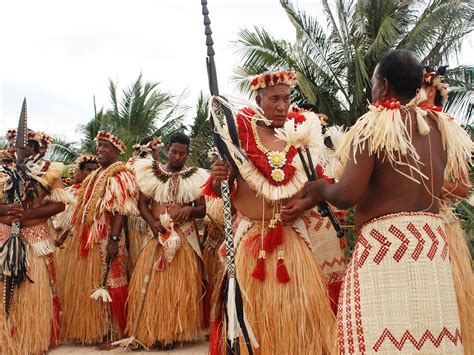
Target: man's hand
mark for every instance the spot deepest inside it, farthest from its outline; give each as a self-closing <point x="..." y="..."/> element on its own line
<point x="313" y="190"/>
<point x="220" y="171"/>
<point x="14" y="211"/>
<point x="181" y="214"/>
<point x="293" y="209"/>
<point x="157" y="228"/>
<point x="112" y="249"/>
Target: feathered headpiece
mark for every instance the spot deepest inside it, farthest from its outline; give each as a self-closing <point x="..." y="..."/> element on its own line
<point x="148" y="147"/>
<point x="113" y="139"/>
<point x="85" y="159"/>
<point x="273" y="78"/>
<point x="35" y="136"/>
<point x="435" y="79"/>
<point x="11" y="135"/>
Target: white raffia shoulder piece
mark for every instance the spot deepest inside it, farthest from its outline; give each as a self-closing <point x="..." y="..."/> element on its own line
<point x="63" y="220"/>
<point x="61" y="195"/>
<point x="47" y="177"/>
<point x="332" y="166"/>
<point x="458" y="145"/>
<point x="384" y="131"/>
<point x="121" y="194"/>
<point x="155" y="182"/>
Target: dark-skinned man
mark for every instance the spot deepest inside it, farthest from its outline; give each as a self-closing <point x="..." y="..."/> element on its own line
<point x="172" y="307"/>
<point x="32" y="324"/>
<point x="106" y="196"/>
<point x="398" y="294"/>
<point x="285" y="297"/>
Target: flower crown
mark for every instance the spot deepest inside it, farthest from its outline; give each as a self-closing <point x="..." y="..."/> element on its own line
<point x="146" y="148"/>
<point x="35" y="136"/>
<point x="85" y="158"/>
<point x="11" y="135"/>
<point x="273" y="78"/>
<point x="434" y="79"/>
<point x="113" y="139"/>
<point x="212" y="151"/>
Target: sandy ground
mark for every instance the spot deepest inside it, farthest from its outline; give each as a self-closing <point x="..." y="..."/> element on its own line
<point x="196" y="348"/>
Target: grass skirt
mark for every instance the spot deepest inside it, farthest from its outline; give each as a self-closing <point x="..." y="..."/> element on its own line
<point x="173" y="303"/>
<point x="28" y="328"/>
<point x="86" y="320"/>
<point x="137" y="229"/>
<point x="463" y="282"/>
<point x="398" y="293"/>
<point x="286" y="318"/>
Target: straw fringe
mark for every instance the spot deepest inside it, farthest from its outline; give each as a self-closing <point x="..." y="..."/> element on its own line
<point x="61" y="195"/>
<point x="28" y="328"/>
<point x="289" y="318"/>
<point x="188" y="189"/>
<point x="49" y="176"/>
<point x="463" y="282"/>
<point x="137" y="228"/>
<point x="174" y="294"/>
<point x="84" y="319"/>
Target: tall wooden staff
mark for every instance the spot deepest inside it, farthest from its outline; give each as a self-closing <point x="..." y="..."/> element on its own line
<point x="235" y="319"/>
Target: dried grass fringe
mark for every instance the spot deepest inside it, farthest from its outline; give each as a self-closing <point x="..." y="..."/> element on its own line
<point x="287" y="318"/>
<point x="28" y="328"/>
<point x="173" y="304"/>
<point x="85" y="320"/>
<point x="463" y="282"/>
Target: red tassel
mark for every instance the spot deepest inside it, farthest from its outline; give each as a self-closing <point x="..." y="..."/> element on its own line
<point x="55" y="324"/>
<point x="259" y="271"/>
<point x="207" y="188"/>
<point x="118" y="306"/>
<point x="160" y="265"/>
<point x="278" y="234"/>
<point x="215" y="337"/>
<point x="343" y="242"/>
<point x="269" y="240"/>
<point x="282" y="271"/>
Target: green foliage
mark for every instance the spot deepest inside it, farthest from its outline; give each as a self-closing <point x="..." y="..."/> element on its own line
<point x="62" y="151"/>
<point x="335" y="65"/>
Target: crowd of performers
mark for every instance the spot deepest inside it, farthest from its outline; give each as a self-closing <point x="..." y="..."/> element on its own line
<point x="134" y="253"/>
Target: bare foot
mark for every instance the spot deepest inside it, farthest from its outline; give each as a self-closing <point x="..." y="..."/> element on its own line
<point x="106" y="346"/>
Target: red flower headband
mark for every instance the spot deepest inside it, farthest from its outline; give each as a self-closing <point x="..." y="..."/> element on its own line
<point x="85" y="158"/>
<point x="114" y="140"/>
<point x="273" y="78"/>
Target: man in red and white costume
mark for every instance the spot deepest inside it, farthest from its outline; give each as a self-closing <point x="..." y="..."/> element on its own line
<point x="106" y="196"/>
<point x="286" y="301"/>
<point x="398" y="294"/>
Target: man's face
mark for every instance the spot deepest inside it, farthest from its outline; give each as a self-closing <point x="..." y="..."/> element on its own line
<point x="177" y="155"/>
<point x="275" y="102"/>
<point x="89" y="168"/>
<point x="106" y="153"/>
<point x="378" y="86"/>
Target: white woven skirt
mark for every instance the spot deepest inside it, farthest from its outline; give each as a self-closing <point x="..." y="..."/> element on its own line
<point x="398" y="293"/>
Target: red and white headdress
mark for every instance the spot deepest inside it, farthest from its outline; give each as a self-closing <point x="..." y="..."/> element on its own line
<point x="148" y="147"/>
<point x="113" y="139"/>
<point x="267" y="79"/>
<point x="436" y="80"/>
<point x="46" y="139"/>
<point x="11" y="135"/>
<point x="35" y="136"/>
<point x="85" y="159"/>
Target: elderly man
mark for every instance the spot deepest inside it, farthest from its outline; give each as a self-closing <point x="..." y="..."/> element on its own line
<point x="286" y="300"/>
<point x="398" y="294"/>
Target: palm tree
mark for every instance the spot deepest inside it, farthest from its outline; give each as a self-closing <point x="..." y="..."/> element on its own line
<point x="141" y="110"/>
<point x="62" y="151"/>
<point x="335" y="65"/>
<point x="201" y="134"/>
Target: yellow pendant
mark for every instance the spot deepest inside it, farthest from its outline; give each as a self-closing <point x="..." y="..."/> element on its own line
<point x="276" y="159"/>
<point x="278" y="175"/>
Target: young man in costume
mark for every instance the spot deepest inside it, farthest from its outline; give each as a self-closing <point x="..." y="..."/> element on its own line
<point x="29" y="314"/>
<point x="437" y="94"/>
<point x="398" y="293"/>
<point x="148" y="148"/>
<point x="285" y="297"/>
<point x="106" y="196"/>
<point x="169" y="264"/>
<point x="62" y="222"/>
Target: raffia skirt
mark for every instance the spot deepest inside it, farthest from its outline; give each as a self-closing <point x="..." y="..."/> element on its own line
<point x="286" y="318"/>
<point x="328" y="252"/>
<point x="172" y="309"/>
<point x="463" y="280"/>
<point x="137" y="228"/>
<point x="32" y="325"/>
<point x="89" y="321"/>
<point x="398" y="293"/>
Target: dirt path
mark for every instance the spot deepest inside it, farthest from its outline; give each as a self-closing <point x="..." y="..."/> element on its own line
<point x="196" y="348"/>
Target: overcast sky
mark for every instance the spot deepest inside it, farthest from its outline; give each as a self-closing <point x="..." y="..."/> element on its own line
<point x="59" y="54"/>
